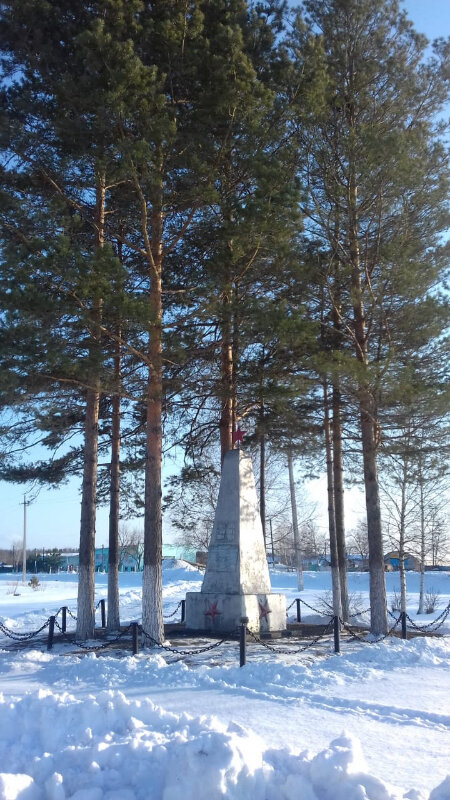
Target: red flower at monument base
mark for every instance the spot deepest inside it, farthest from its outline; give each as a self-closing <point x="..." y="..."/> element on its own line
<point x="212" y="610"/>
<point x="264" y="609"/>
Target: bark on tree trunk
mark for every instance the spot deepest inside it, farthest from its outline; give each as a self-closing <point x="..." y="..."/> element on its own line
<point x="338" y="485"/>
<point x="297" y="549"/>
<point x="86" y="569"/>
<point x="113" y="619"/>
<point x="226" y="360"/>
<point x="402" y="571"/>
<point x="401" y="546"/>
<point x="152" y="617"/>
<point x="262" y="485"/>
<point x="420" y="610"/>
<point x="335" y="577"/>
<point x="336" y="426"/>
<point x="378" y="609"/>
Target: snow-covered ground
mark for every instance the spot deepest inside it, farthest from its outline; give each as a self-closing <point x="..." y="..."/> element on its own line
<point x="372" y="723"/>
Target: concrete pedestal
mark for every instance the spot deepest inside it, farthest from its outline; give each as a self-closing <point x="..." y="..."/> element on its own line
<point x="236" y="582"/>
<point x="222" y="613"/>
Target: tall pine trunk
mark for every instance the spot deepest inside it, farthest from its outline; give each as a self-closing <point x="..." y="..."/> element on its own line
<point x="152" y="617"/>
<point x="338" y="488"/>
<point x="86" y="569"/>
<point x="375" y="539"/>
<point x="226" y="364"/>
<point x="420" y="610"/>
<point x="113" y="621"/>
<point x="297" y="548"/>
<point x="335" y="577"/>
<point x="367" y="413"/>
<point x="262" y="483"/>
<point x="402" y="532"/>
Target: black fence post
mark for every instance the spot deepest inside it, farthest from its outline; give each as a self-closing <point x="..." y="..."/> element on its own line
<point x="64" y="619"/>
<point x="337" y="642"/>
<point x="134" y="637"/>
<point x="299" y="610"/>
<point x="51" y="630"/>
<point x="103" y="613"/>
<point x="403" y="616"/>
<point x="242" y="641"/>
<point x="183" y="610"/>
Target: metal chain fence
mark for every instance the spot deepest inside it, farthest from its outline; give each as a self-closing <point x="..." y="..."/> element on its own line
<point x="434" y="625"/>
<point x="359" y="613"/>
<point x="176" y="650"/>
<point x="93" y="648"/>
<point x="23" y="637"/>
<point x="289" y="650"/>
<point x="169" y="616"/>
<point x="361" y="639"/>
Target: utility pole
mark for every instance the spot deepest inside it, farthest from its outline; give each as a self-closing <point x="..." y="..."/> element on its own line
<point x="24" y="547"/>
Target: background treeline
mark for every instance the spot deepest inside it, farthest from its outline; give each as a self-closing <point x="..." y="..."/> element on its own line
<point x="219" y="213"/>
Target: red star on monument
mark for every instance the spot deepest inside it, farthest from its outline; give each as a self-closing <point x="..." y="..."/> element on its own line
<point x="212" y="610"/>
<point x="238" y="436"/>
<point x="264" y="609"/>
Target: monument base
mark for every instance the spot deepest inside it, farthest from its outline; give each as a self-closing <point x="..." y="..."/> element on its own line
<point x="222" y="613"/>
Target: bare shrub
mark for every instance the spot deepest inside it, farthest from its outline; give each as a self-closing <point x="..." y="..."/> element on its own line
<point x="396" y="601"/>
<point x="324" y="603"/>
<point x="431" y="600"/>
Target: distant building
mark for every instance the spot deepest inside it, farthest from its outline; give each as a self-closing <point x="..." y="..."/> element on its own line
<point x="315" y="564"/>
<point x="127" y="561"/>
<point x="5" y="567"/>
<point x="69" y="562"/>
<point x="392" y="561"/>
<point x="179" y="552"/>
<point x="355" y="561"/>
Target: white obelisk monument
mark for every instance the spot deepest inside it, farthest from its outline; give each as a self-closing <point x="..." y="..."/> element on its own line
<point x="236" y="582"/>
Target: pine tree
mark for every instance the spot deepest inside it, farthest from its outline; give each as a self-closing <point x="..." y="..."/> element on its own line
<point x="376" y="179"/>
<point x="59" y="112"/>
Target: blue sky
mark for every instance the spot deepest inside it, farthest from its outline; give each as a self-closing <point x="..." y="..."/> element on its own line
<point x="431" y="17"/>
<point x="53" y="518"/>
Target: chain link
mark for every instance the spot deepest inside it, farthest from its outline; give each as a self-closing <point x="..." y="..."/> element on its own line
<point x="438" y="622"/>
<point x="93" y="648"/>
<point x="359" y="613"/>
<point x="183" y="652"/>
<point x="290" y="651"/>
<point x="169" y="616"/>
<point x="22" y="637"/>
<point x="371" y="641"/>
<point x="316" y="610"/>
